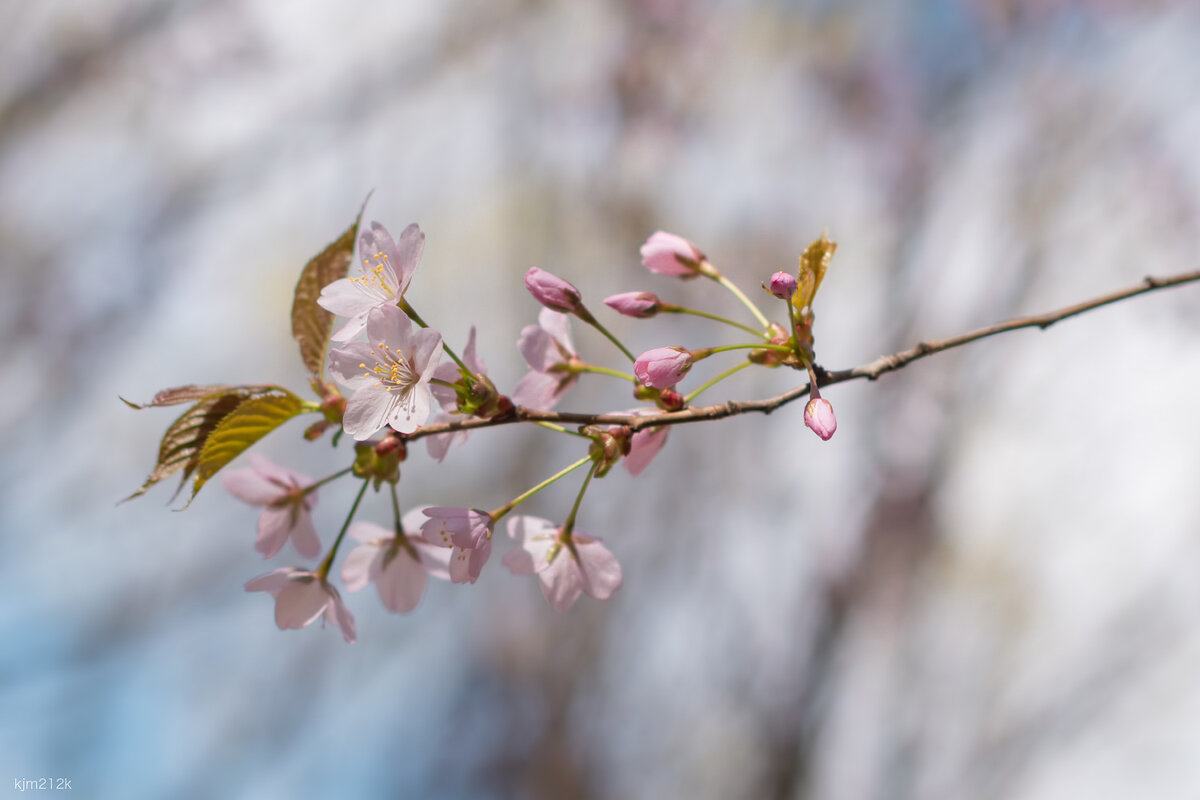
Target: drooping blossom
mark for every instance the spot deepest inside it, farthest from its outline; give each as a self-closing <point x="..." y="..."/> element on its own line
<point x="566" y="564"/>
<point x="663" y="367"/>
<point x="301" y="596"/>
<point x="468" y="534"/>
<point x="548" y="351"/>
<point x="818" y="416"/>
<point x="389" y="374"/>
<point x="379" y="274"/>
<point x="439" y="444"/>
<point x="782" y="285"/>
<point x="668" y="254"/>
<point x="399" y="567"/>
<point x="634" y="304"/>
<point x="286" y="506"/>
<point x="552" y="291"/>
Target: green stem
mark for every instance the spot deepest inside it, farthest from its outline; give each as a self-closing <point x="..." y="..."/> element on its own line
<point x="327" y="479"/>
<point x="595" y="323"/>
<point x="521" y="498"/>
<point x="712" y="272"/>
<point x="323" y="570"/>
<point x="569" y="525"/>
<point x="708" y="351"/>
<point x="396" y="511"/>
<point x="407" y="308"/>
<point x="581" y="367"/>
<point x="795" y="340"/>
<point x="550" y="426"/>
<point x="671" y="308"/>
<point x="692" y="396"/>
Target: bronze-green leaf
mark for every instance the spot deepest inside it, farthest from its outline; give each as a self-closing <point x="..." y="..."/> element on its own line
<point x="244" y="425"/>
<point x="177" y="395"/>
<point x="181" y="444"/>
<point x="311" y="324"/>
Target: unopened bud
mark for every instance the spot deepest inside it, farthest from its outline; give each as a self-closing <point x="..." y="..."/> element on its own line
<point x="634" y="304"/>
<point x="663" y="367"/>
<point x="818" y="416"/>
<point x="553" y="292"/>
<point x="782" y="285"/>
<point x="668" y="254"/>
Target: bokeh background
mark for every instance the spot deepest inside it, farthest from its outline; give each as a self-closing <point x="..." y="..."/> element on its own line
<point x="987" y="585"/>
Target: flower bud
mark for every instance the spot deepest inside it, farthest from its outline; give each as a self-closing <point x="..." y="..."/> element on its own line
<point x="782" y="285"/>
<point x="663" y="367"/>
<point x="553" y="292"/>
<point x="818" y="415"/>
<point x="668" y="254"/>
<point x="634" y="304"/>
<point x="670" y="400"/>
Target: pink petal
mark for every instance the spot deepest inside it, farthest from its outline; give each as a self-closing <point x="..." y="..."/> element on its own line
<point x="345" y="299"/>
<point x="425" y="350"/>
<point x="351" y="328"/>
<point x="473" y="362"/>
<point x="274" y="580"/>
<point x="274" y="525"/>
<point x="538" y="348"/>
<point x="447" y="397"/>
<point x="249" y="486"/>
<point x="337" y="613"/>
<point x="537" y="390"/>
<point x="558" y="326"/>
<point x="300" y="602"/>
<point x="518" y="562"/>
<point x="401" y="583"/>
<point x="346" y="365"/>
<point x="435" y="560"/>
<point x="644" y="446"/>
<point x="599" y="571"/>
<point x="389" y="324"/>
<point x="561" y="581"/>
<point x="367" y="532"/>
<point x="408" y="252"/>
<point x="356" y="569"/>
<point x="367" y="411"/>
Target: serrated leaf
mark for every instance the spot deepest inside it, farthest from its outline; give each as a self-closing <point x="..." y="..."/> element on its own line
<point x="177" y="395"/>
<point x="813" y="264"/>
<point x="244" y="425"/>
<point x="181" y="444"/>
<point x="311" y="324"/>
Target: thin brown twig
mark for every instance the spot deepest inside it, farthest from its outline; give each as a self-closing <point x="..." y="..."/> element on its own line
<point x="869" y="371"/>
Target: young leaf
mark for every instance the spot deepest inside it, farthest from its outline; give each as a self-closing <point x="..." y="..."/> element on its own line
<point x="177" y="395"/>
<point x="813" y="264"/>
<point x="244" y="425"/>
<point x="311" y="324"/>
<point x="181" y="444"/>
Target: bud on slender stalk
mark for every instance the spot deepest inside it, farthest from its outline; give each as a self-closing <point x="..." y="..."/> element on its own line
<point x="782" y="285"/>
<point x="553" y="292"/>
<point x="634" y="304"/>
<point x="668" y="254"/>
<point x="818" y="416"/>
<point x="663" y="367"/>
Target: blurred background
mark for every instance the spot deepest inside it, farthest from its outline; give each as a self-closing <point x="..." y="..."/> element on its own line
<point x="987" y="585"/>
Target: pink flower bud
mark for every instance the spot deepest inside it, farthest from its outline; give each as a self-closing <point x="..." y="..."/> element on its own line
<point x="668" y="254"/>
<point x="552" y="291"/>
<point x="782" y="285"/>
<point x="663" y="367"/>
<point x="634" y="304"/>
<point x="818" y="415"/>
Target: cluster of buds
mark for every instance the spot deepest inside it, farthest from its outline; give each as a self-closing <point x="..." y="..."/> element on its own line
<point x="393" y="379"/>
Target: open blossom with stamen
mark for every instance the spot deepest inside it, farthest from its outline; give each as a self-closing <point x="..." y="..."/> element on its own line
<point x="379" y="275"/>
<point x="468" y="532"/>
<point x="389" y="374"/>
<point x="668" y="254"/>
<point x="548" y="350"/>
<point x="300" y="597"/>
<point x="286" y="506"/>
<point x="439" y="444"/>
<point x="399" y="567"/>
<point x="566" y="564"/>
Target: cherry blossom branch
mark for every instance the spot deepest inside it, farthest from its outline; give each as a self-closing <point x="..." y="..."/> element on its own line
<point x="870" y="371"/>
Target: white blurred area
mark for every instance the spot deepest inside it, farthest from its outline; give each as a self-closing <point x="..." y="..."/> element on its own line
<point x="987" y="585"/>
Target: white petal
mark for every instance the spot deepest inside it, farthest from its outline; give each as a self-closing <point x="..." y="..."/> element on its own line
<point x="401" y="583"/>
<point x="300" y="602"/>
<point x="367" y="411"/>
<point x="356" y="569"/>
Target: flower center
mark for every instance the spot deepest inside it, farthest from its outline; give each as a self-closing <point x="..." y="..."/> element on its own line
<point x="391" y="369"/>
<point x="376" y="278"/>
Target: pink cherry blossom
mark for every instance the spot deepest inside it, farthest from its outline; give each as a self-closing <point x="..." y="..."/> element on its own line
<point x="552" y="291"/>
<point x="782" y="285"/>
<point x="389" y="374"/>
<point x="379" y="274"/>
<point x="439" y="444"/>
<point x="818" y="415"/>
<point x="566" y="564"/>
<point x="300" y="597"/>
<point x="548" y="350"/>
<point x="286" y="506"/>
<point x="399" y="568"/>
<point x="668" y="254"/>
<point x="468" y="532"/>
<point x="634" y="304"/>
<point x="644" y="446"/>
<point x="663" y="367"/>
